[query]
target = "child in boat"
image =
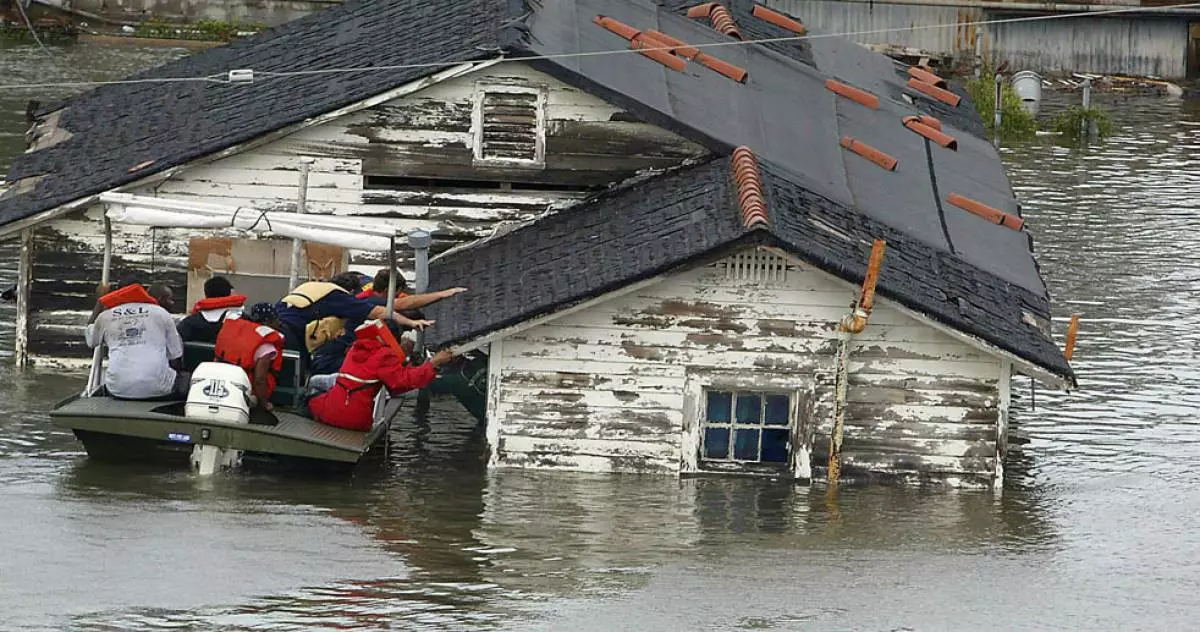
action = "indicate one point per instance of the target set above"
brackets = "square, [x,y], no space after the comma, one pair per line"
[219,302]
[347,398]
[145,353]
[253,342]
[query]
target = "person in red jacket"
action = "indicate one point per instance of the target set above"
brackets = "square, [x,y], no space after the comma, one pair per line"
[371,364]
[253,342]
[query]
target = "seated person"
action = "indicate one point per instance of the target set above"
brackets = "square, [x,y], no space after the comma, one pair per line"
[253,342]
[348,397]
[219,303]
[145,352]
[316,300]
[403,300]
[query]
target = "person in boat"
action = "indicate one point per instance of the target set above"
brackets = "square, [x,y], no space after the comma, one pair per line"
[403,301]
[375,360]
[315,300]
[145,352]
[252,341]
[330,338]
[219,302]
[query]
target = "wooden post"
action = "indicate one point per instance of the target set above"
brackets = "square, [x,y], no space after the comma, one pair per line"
[96,375]
[979,52]
[997,114]
[24,284]
[302,208]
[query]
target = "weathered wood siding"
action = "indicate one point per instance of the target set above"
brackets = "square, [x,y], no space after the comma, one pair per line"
[613,386]
[423,139]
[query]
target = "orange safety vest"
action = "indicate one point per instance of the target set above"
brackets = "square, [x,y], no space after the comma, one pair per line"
[376,330]
[219,302]
[240,338]
[132,293]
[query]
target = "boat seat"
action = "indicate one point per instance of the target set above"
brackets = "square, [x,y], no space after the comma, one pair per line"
[291,378]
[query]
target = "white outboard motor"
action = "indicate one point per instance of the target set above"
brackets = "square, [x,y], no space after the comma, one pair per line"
[220,392]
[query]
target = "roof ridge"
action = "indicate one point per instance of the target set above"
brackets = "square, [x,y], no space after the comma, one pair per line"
[751,201]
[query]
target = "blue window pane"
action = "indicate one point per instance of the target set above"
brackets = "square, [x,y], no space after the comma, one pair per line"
[746,445]
[716,443]
[775,446]
[777,410]
[749,409]
[719,405]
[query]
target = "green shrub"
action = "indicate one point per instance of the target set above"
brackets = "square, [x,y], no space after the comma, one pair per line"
[1070,124]
[1015,122]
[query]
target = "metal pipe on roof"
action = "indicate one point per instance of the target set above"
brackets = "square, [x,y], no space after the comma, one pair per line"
[419,241]
[301,208]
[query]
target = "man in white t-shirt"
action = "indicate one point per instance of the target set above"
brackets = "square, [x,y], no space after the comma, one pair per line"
[145,352]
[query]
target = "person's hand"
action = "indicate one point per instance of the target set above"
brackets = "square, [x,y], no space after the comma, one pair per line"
[102,289]
[453,291]
[441,357]
[268,406]
[422,324]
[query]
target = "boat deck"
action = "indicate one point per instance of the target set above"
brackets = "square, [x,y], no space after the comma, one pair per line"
[163,422]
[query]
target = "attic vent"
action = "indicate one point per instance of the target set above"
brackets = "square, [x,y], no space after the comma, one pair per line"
[509,125]
[756,266]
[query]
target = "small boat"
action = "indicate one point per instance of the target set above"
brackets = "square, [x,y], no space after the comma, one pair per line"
[215,428]
[211,439]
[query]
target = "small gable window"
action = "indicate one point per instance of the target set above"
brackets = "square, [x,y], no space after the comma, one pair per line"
[509,126]
[745,427]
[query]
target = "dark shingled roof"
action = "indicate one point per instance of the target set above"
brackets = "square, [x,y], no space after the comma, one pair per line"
[692,215]
[954,266]
[118,127]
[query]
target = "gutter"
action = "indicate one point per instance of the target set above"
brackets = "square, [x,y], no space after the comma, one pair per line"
[1039,7]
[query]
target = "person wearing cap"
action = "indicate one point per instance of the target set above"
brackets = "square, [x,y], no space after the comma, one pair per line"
[253,342]
[403,301]
[208,314]
[347,399]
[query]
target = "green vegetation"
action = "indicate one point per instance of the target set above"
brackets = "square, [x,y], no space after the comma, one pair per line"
[1015,122]
[20,34]
[1070,124]
[205,30]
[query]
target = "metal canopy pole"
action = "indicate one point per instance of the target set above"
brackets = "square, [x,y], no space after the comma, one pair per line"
[392,272]
[419,241]
[301,208]
[105,276]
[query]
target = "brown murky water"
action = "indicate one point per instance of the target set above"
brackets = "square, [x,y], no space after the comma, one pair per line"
[1097,528]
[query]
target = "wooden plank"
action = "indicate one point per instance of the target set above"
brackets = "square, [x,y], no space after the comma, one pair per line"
[24,282]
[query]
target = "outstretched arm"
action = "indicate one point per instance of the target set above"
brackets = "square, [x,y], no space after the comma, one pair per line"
[417,301]
[262,386]
[379,313]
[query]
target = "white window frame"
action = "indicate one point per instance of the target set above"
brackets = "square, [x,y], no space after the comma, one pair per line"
[800,388]
[481,89]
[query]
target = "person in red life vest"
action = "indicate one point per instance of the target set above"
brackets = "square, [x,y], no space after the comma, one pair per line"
[403,301]
[145,353]
[373,362]
[253,342]
[219,302]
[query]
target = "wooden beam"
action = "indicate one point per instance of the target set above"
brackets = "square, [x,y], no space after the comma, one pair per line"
[24,284]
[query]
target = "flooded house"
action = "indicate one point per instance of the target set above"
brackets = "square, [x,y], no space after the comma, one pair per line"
[672,234]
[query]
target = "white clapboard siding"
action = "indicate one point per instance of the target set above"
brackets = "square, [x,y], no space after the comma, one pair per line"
[920,404]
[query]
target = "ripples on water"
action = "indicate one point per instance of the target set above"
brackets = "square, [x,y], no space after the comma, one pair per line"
[1096,529]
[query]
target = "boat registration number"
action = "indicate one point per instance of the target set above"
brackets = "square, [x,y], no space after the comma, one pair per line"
[180,437]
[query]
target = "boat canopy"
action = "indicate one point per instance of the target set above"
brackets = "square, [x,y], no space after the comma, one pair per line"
[126,208]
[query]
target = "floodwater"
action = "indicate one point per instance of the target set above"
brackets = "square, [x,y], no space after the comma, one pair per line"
[1098,526]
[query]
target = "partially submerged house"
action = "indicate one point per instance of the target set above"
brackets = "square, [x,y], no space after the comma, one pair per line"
[693,222]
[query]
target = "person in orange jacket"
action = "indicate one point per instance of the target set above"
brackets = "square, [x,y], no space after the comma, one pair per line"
[348,400]
[253,342]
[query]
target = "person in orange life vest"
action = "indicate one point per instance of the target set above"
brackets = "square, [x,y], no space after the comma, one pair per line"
[219,302]
[371,364]
[145,353]
[253,342]
[403,300]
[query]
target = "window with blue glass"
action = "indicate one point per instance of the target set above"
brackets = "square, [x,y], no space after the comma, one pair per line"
[746,426]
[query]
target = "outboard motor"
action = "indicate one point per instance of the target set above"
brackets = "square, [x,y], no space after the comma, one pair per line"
[221,393]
